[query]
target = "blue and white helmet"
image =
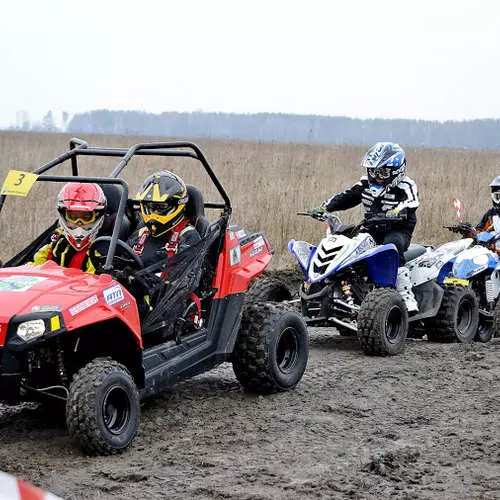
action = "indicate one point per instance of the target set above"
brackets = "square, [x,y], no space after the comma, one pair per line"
[385,164]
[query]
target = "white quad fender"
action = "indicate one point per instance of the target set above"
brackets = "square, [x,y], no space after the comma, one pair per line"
[302,251]
[477,259]
[427,266]
[333,250]
[474,261]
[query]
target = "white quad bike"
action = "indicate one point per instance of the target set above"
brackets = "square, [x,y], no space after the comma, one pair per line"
[351,283]
[478,267]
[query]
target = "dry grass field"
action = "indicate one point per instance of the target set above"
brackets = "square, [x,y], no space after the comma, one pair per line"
[267,183]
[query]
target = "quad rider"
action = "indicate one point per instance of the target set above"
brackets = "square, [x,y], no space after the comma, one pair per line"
[490,221]
[166,237]
[385,191]
[81,208]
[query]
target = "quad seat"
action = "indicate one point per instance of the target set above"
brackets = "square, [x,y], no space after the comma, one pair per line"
[414,251]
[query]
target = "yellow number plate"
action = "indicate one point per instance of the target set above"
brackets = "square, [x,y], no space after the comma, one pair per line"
[18,183]
[456,281]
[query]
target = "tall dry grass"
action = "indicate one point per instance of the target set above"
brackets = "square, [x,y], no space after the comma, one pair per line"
[267,183]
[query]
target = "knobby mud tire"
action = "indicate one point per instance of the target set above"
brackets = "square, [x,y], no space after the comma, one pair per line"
[496,320]
[103,408]
[383,322]
[271,350]
[267,290]
[458,317]
[485,329]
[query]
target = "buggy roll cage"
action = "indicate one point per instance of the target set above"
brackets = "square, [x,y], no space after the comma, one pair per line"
[78,147]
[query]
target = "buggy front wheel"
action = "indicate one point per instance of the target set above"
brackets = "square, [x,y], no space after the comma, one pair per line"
[103,409]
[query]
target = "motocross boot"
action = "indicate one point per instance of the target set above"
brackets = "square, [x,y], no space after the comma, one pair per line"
[403,286]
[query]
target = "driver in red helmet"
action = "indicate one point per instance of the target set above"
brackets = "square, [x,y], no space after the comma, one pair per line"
[81,207]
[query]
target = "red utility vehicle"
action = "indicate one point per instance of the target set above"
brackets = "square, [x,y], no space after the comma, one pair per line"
[76,338]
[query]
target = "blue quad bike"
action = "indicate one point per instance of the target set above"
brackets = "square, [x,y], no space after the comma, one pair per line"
[350,283]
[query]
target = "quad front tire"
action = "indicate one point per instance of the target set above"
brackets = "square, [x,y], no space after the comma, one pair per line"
[382,322]
[271,350]
[103,409]
[458,317]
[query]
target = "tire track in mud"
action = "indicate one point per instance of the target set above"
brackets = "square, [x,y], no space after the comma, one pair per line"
[423,424]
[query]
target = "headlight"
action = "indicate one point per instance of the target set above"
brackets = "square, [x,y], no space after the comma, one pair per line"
[30,330]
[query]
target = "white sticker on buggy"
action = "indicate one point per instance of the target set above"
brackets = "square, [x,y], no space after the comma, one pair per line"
[19,283]
[258,246]
[85,304]
[113,295]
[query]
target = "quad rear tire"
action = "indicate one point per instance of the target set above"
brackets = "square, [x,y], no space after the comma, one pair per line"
[496,319]
[382,322]
[458,317]
[485,330]
[271,350]
[103,409]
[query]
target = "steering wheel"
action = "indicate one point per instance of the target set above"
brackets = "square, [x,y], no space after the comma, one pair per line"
[124,256]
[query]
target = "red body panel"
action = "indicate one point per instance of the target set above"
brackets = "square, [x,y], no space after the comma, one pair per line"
[81,298]
[254,257]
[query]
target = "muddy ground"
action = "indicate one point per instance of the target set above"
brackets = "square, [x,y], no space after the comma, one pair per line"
[424,424]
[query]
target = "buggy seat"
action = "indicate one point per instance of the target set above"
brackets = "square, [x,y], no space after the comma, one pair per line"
[113,195]
[195,210]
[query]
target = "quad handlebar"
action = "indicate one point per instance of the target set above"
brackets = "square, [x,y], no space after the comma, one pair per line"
[376,222]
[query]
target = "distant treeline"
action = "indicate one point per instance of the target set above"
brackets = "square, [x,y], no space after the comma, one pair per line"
[483,133]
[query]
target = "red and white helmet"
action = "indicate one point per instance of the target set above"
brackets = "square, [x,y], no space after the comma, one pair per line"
[81,208]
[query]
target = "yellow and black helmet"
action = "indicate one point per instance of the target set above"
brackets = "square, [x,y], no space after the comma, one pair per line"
[163,198]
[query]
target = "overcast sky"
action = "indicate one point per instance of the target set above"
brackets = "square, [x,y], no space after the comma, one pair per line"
[425,59]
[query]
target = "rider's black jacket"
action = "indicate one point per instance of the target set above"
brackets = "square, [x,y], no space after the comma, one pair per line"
[403,197]
[486,221]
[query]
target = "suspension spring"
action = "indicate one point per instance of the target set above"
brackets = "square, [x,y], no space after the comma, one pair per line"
[346,290]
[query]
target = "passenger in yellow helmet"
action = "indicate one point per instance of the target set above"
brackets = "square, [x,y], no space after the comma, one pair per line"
[167,231]
[163,197]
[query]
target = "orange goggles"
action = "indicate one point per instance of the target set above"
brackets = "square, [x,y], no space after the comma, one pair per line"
[79,216]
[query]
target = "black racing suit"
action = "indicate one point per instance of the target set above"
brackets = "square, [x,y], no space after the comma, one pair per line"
[403,198]
[487,221]
[156,251]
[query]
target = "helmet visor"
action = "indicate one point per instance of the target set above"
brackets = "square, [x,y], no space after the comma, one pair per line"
[380,174]
[495,196]
[80,217]
[159,208]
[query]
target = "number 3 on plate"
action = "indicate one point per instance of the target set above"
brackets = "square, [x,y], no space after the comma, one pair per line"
[18,183]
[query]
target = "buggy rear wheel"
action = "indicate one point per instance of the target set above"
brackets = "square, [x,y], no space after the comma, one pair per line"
[382,322]
[103,410]
[267,290]
[271,350]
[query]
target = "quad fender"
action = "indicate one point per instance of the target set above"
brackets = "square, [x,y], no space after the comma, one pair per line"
[382,261]
[303,252]
[473,261]
[240,262]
